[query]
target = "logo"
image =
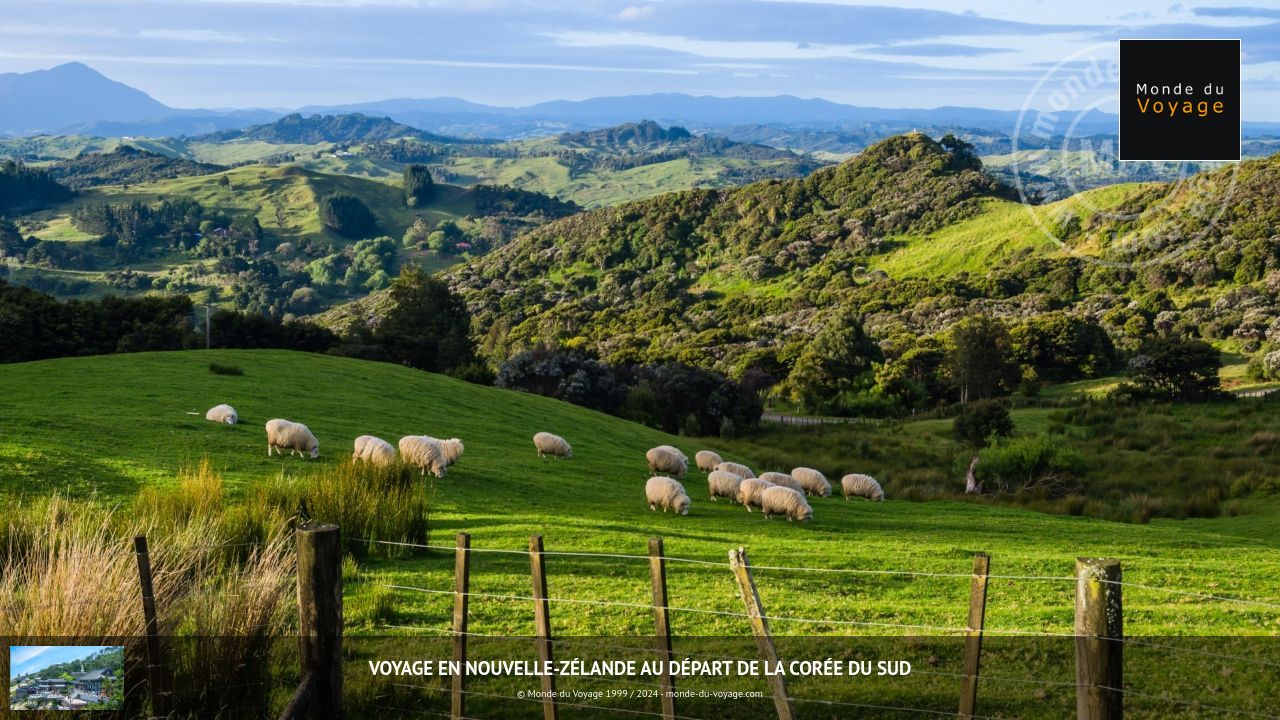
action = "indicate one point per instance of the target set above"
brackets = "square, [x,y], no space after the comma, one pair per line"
[1180,100]
[1068,128]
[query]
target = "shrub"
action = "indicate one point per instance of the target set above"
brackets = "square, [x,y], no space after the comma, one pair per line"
[347,215]
[1033,463]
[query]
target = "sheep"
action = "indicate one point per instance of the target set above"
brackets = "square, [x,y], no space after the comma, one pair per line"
[452,450]
[676,451]
[295,437]
[707,460]
[785,501]
[424,453]
[723,484]
[813,482]
[373,450]
[783,479]
[738,469]
[863,486]
[222,414]
[749,491]
[552,445]
[666,493]
[663,459]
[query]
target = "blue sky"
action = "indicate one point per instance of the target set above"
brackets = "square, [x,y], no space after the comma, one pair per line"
[28,658]
[908,53]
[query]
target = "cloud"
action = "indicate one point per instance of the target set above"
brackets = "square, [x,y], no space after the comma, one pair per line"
[201,36]
[937,50]
[635,12]
[1238,11]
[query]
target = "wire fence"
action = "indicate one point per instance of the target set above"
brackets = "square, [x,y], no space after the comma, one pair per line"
[825,625]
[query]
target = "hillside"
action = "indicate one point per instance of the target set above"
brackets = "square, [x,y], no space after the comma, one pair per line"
[906,235]
[349,128]
[126,165]
[501,493]
[648,278]
[280,246]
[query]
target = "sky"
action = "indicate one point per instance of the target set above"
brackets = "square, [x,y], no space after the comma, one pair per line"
[29,658]
[900,53]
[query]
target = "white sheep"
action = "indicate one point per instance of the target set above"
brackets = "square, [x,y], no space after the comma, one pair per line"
[707,460]
[863,486]
[677,451]
[783,479]
[424,453]
[452,450]
[295,437]
[785,501]
[666,459]
[723,484]
[373,450]
[666,493]
[553,445]
[813,482]
[222,414]
[749,491]
[738,469]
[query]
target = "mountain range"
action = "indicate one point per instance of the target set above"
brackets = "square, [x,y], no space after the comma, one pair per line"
[73,98]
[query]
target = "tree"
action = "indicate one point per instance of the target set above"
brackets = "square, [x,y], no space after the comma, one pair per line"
[1174,368]
[347,215]
[974,427]
[839,353]
[980,358]
[427,326]
[418,186]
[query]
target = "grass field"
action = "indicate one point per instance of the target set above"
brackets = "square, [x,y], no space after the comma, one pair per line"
[108,431]
[104,427]
[1000,231]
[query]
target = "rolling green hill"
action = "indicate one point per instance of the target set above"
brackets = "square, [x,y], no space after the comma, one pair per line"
[911,237]
[106,426]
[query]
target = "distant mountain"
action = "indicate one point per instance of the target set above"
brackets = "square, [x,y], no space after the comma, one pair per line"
[628,135]
[67,95]
[188,122]
[348,128]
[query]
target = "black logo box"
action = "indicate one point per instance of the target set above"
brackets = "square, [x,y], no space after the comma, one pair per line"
[1180,65]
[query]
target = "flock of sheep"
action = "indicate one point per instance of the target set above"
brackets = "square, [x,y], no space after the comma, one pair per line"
[775,493]
[426,453]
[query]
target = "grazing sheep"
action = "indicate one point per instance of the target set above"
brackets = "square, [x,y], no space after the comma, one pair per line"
[295,437]
[373,450]
[662,459]
[452,450]
[863,486]
[677,451]
[813,482]
[668,494]
[707,460]
[738,469]
[785,501]
[222,414]
[424,453]
[783,479]
[552,445]
[723,484]
[749,492]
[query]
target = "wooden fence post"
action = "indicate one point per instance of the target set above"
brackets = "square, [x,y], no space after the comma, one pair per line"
[320,617]
[1099,640]
[760,627]
[662,626]
[973,635]
[159,689]
[461,586]
[542,627]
